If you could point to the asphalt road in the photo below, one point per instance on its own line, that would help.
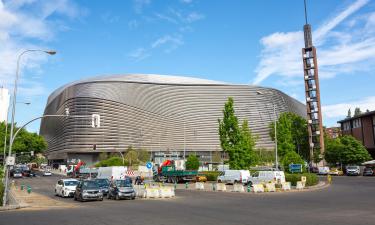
(349, 200)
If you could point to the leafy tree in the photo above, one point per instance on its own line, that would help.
(192, 162)
(292, 134)
(357, 111)
(237, 141)
(345, 150)
(131, 156)
(24, 142)
(216, 157)
(248, 142)
(349, 114)
(291, 157)
(143, 155)
(353, 151)
(112, 161)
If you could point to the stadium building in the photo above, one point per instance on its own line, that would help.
(170, 116)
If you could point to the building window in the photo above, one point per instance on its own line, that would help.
(356, 123)
(346, 126)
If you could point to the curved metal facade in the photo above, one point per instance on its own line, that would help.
(157, 113)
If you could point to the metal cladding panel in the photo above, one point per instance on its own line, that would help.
(156, 116)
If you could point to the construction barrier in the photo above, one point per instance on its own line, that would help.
(238, 188)
(221, 187)
(258, 188)
(299, 185)
(270, 187)
(166, 192)
(152, 193)
(199, 186)
(140, 191)
(285, 186)
(303, 179)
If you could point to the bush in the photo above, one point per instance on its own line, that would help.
(211, 175)
(291, 157)
(311, 178)
(113, 161)
(192, 162)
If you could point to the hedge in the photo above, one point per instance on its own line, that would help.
(311, 178)
(211, 175)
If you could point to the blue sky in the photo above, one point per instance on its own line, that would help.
(247, 42)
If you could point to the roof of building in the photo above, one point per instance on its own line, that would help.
(141, 78)
(358, 116)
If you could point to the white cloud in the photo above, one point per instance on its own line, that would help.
(339, 111)
(340, 50)
(140, 4)
(24, 24)
(139, 54)
(171, 42)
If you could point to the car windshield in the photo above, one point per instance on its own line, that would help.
(352, 167)
(124, 183)
(102, 182)
(90, 184)
(71, 183)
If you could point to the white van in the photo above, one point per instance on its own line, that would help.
(234, 176)
(267, 176)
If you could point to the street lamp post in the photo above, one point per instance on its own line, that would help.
(6, 130)
(14, 112)
(275, 129)
(122, 156)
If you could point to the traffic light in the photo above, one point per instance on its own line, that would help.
(94, 147)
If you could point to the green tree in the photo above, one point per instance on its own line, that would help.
(216, 157)
(192, 162)
(248, 142)
(357, 111)
(353, 151)
(112, 161)
(143, 155)
(236, 140)
(292, 134)
(291, 157)
(131, 156)
(25, 142)
(345, 150)
(230, 134)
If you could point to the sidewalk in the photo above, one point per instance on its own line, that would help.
(35, 200)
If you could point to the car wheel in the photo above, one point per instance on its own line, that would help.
(101, 199)
(75, 198)
(133, 198)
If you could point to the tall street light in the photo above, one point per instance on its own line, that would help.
(275, 127)
(50, 52)
(6, 129)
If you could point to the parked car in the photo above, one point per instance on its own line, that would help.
(367, 171)
(323, 170)
(66, 187)
(88, 190)
(200, 178)
(103, 184)
(353, 170)
(266, 176)
(120, 189)
(47, 173)
(335, 172)
(234, 176)
(17, 173)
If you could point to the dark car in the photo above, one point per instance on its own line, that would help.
(103, 184)
(88, 190)
(368, 171)
(28, 173)
(121, 189)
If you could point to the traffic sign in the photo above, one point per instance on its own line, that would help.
(295, 168)
(149, 165)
